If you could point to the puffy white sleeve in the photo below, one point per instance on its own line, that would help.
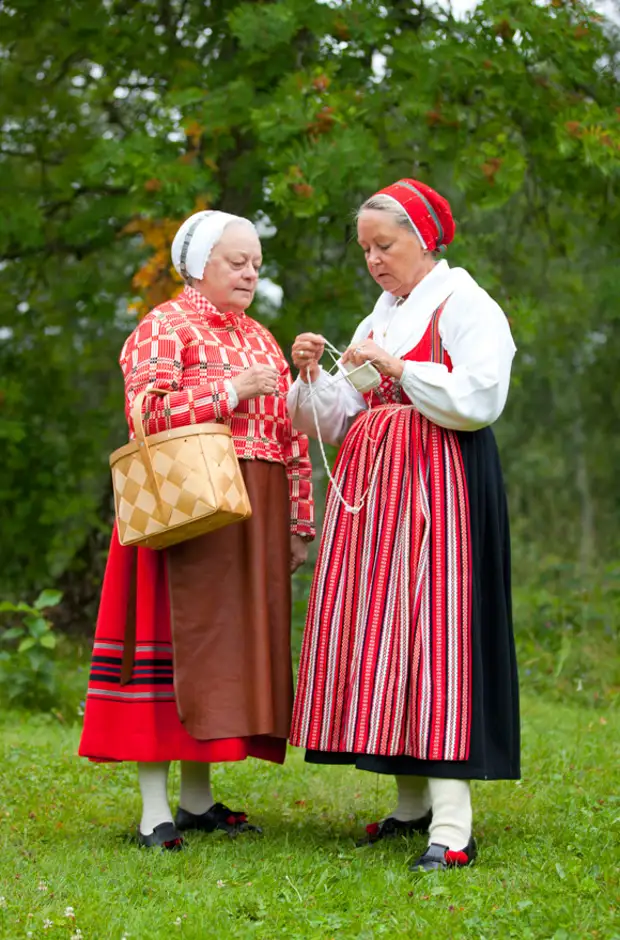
(337, 403)
(477, 337)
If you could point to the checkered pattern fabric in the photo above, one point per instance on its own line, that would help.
(189, 348)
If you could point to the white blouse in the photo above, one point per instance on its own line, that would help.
(474, 332)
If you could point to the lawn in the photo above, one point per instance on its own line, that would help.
(548, 865)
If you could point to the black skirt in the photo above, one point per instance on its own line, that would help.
(494, 752)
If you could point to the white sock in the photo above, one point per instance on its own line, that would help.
(413, 798)
(196, 796)
(452, 814)
(153, 780)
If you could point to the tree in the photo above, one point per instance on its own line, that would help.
(122, 118)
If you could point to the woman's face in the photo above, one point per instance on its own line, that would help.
(394, 255)
(231, 274)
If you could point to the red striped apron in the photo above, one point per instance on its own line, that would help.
(386, 659)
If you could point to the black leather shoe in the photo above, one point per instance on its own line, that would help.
(439, 857)
(390, 828)
(166, 836)
(218, 817)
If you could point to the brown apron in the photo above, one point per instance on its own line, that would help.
(230, 600)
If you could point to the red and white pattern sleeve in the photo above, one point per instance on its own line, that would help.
(299, 472)
(153, 356)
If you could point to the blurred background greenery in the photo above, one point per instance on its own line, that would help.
(121, 118)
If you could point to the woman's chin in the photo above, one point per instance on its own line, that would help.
(241, 301)
(388, 283)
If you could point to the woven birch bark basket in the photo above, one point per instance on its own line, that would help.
(176, 485)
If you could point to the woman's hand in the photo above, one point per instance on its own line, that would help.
(307, 350)
(368, 351)
(257, 380)
(299, 552)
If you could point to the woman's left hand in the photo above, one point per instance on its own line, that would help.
(299, 552)
(368, 351)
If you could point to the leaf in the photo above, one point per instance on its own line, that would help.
(560, 871)
(26, 644)
(13, 633)
(48, 598)
(9, 607)
(48, 641)
(37, 626)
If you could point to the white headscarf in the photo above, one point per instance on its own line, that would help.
(196, 239)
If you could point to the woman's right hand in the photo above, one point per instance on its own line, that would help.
(255, 381)
(307, 350)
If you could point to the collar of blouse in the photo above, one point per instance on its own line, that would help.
(398, 322)
(215, 318)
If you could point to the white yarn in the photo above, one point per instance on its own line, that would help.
(348, 507)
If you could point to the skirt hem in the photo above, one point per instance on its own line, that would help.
(411, 766)
(231, 750)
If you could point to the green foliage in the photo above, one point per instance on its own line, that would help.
(121, 118)
(568, 632)
(28, 669)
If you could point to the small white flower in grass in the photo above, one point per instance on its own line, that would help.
(47, 923)
(78, 935)
(221, 884)
(42, 886)
(69, 912)
(178, 922)
(2, 901)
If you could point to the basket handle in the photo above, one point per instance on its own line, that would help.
(142, 441)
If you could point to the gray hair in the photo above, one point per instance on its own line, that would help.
(384, 203)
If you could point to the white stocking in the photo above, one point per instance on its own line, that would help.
(153, 780)
(413, 798)
(452, 813)
(196, 796)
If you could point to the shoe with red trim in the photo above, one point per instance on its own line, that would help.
(165, 836)
(219, 817)
(439, 857)
(391, 827)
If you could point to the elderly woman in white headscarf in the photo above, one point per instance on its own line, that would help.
(192, 656)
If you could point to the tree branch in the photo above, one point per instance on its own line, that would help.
(5, 152)
(52, 208)
(17, 252)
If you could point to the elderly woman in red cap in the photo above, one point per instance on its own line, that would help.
(192, 657)
(408, 662)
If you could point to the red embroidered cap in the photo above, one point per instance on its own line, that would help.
(429, 212)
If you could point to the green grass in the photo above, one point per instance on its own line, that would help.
(548, 866)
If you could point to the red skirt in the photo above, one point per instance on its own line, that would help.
(138, 719)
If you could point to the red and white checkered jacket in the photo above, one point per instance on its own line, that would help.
(188, 348)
